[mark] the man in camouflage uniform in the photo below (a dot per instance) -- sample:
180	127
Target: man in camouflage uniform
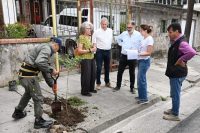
37	60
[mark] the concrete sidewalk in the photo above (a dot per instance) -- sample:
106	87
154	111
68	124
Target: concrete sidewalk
105	108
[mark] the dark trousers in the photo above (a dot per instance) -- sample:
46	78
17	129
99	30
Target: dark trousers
122	65
88	75
103	56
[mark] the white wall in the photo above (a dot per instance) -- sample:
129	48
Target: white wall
9	11
192	33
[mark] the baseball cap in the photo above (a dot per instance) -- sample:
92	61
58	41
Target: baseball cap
57	40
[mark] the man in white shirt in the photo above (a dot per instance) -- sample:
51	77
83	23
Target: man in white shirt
102	39
128	40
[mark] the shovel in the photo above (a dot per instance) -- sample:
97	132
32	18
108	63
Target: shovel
56	105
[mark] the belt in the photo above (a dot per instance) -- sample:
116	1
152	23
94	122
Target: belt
27	70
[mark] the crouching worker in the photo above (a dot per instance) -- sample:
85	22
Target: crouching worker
36	61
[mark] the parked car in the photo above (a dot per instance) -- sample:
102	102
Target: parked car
67	23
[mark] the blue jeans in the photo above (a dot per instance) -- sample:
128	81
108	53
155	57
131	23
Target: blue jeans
143	66
103	56
175	90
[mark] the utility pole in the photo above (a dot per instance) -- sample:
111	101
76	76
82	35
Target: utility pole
189	19
91	10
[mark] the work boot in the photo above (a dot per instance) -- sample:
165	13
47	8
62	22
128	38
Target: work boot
18	114
168	112
171	117
41	123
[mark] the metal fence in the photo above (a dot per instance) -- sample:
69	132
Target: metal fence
37	14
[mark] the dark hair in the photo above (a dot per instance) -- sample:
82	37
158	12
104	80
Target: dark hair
146	27
175	26
131	22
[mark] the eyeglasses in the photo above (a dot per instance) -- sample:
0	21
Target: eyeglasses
129	27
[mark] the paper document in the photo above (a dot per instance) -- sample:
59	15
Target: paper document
132	54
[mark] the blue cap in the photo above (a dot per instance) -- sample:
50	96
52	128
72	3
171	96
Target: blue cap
57	40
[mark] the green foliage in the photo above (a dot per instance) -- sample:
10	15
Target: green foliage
69	63
95	108
75	101
16	30
122	27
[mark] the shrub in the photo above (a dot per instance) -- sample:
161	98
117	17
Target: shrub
16	30
122	27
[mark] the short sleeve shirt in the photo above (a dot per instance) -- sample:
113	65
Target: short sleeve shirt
144	44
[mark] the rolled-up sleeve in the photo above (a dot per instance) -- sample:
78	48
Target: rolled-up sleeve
119	39
187	51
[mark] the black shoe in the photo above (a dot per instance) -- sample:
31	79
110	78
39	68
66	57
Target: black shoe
41	123
132	90
18	114
116	89
94	91
88	94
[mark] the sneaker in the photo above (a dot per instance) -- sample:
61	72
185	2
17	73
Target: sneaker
143	102
168	112
98	86
171	117
108	85
18	114
116	89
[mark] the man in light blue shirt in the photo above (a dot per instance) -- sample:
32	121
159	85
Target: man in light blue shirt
128	40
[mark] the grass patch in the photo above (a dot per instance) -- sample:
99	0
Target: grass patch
95	107
75	101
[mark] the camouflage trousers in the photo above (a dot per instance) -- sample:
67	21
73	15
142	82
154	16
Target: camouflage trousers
32	90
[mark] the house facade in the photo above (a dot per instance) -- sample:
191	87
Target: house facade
158	13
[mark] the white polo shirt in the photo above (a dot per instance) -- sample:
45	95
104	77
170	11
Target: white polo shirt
103	38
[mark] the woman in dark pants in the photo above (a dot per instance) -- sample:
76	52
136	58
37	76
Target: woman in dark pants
88	67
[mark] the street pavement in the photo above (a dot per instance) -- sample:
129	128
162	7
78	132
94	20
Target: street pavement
106	108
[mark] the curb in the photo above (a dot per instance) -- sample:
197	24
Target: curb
122	114
183	122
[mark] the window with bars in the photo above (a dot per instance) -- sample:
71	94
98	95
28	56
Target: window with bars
163	26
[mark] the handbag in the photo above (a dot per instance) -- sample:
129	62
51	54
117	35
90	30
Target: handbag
76	53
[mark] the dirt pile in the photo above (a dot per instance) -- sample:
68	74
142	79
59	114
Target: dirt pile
69	116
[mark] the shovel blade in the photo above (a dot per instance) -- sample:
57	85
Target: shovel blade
56	107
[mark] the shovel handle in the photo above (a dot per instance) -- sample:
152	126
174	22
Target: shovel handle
55	88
